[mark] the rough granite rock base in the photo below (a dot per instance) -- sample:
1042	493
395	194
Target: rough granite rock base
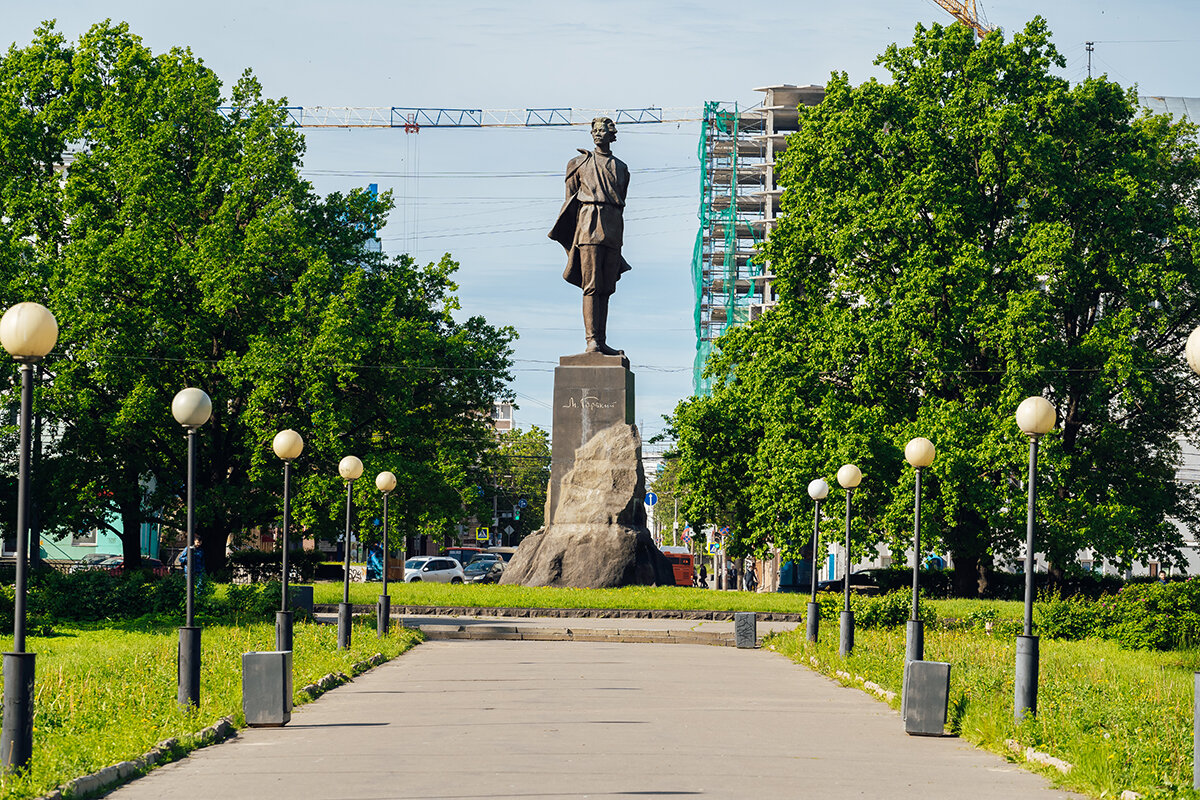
598	538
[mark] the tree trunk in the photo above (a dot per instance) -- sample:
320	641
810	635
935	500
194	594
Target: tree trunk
971	559
131	535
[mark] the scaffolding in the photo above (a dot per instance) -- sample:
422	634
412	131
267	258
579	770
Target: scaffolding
738	203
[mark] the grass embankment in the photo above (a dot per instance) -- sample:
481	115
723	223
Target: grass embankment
496	596
108	694
631	597
1123	718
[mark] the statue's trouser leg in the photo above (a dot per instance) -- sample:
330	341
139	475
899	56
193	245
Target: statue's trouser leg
589	322
600	304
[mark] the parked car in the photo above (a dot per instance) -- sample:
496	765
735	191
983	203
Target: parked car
462	554
484	570
91	561
862	581
489	557
437	569
115	563
506	553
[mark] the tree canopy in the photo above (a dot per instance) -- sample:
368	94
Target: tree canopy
179	245
975	231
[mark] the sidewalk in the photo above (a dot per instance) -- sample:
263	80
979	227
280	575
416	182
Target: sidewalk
523	719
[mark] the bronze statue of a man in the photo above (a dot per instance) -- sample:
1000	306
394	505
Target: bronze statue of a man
591	226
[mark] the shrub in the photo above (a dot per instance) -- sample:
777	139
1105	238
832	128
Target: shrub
1141	616
888	610
252	601
1059	617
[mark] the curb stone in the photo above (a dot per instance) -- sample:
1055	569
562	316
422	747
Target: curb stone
594	613
169	750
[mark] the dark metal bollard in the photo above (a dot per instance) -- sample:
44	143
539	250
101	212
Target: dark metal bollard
189	666
283	630
745	630
914	642
814	621
267	688
16	739
926	697
345	611
1195	730
1026	680
846	642
383	612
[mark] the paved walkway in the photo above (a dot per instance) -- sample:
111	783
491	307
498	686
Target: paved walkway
534	719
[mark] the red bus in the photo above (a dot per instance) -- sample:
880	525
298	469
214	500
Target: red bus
681	564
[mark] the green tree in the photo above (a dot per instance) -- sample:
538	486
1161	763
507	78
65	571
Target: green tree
180	247
521	471
973	232
671	496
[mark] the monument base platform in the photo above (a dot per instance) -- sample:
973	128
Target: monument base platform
592	392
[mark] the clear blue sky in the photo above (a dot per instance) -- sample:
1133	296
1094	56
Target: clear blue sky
489	196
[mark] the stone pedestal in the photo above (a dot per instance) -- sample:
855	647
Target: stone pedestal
745	629
592	392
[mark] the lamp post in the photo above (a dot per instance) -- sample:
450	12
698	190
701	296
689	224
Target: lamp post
919	452
350	468
818	490
191	409
288	445
1035	417
1192	353
28	331
848	477
384	482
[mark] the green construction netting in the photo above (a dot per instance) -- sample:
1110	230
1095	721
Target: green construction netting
726	237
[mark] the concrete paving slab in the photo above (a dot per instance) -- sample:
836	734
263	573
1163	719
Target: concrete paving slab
525	719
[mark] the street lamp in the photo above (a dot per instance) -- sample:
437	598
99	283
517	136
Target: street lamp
384	482
350	468
919	452
191	409
1035	417
848	477
288	445
1192	353
818	490
28	331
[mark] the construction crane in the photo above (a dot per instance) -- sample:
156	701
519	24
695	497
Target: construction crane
412	120
965	13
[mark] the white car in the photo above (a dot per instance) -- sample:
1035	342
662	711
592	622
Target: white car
437	569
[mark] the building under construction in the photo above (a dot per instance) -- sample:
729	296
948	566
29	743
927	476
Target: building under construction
739	200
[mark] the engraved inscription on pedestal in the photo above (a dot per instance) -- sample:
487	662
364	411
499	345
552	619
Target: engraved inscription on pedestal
591	392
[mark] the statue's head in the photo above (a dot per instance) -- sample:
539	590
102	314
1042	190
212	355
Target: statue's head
604	130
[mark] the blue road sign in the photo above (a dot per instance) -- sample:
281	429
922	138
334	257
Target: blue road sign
522	503
651	498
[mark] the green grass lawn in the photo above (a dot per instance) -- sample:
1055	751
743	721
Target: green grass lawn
630	597
107	694
1123	718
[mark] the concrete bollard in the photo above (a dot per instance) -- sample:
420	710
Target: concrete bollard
745	630
267	688
926	697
